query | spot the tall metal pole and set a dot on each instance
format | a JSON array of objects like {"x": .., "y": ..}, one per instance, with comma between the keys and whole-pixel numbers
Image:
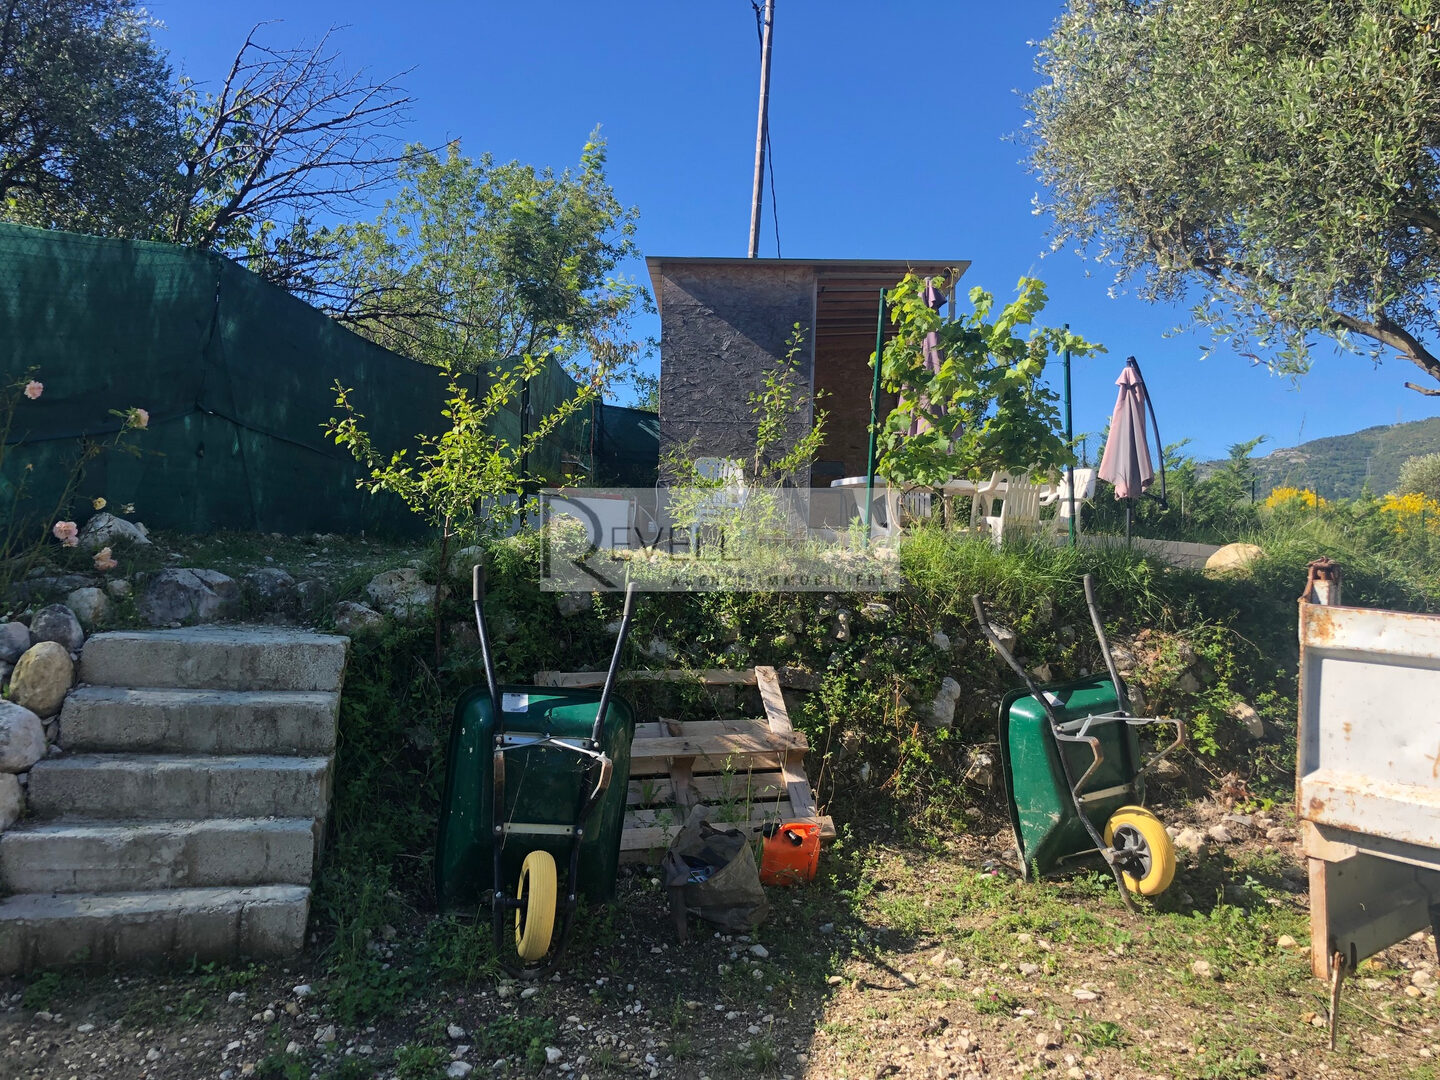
[
  {"x": 762, "y": 126},
  {"x": 874, "y": 417},
  {"x": 1069, "y": 441}
]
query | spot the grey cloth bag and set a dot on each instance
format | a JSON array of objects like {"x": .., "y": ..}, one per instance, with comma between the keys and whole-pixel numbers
[{"x": 710, "y": 871}]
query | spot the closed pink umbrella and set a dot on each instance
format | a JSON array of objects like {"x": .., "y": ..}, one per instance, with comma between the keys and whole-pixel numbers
[
  {"x": 934, "y": 299},
  {"x": 1127, "y": 463}
]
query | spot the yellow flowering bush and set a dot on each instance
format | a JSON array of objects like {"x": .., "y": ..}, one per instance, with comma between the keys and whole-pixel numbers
[
  {"x": 1411, "y": 514},
  {"x": 1294, "y": 498}
]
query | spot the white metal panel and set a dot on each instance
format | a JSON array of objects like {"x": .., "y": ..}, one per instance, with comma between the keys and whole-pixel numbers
[{"x": 1370, "y": 722}]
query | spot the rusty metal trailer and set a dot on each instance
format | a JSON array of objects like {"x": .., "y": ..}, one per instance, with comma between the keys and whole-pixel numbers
[{"x": 1368, "y": 774}]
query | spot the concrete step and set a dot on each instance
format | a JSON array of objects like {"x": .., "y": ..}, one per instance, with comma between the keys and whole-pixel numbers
[
  {"x": 45, "y": 930},
  {"x": 215, "y": 658},
  {"x": 160, "y": 786},
  {"x": 199, "y": 721},
  {"x": 96, "y": 857}
]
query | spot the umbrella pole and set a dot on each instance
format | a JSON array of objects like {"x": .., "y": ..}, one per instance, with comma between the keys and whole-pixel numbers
[
  {"x": 1069, "y": 442},
  {"x": 874, "y": 418},
  {"x": 1129, "y": 507}
]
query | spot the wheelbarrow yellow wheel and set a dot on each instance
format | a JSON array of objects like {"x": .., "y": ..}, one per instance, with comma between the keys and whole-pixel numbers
[
  {"x": 535, "y": 918},
  {"x": 1138, "y": 832}
]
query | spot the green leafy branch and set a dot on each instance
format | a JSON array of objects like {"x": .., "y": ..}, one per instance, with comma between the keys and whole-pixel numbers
[
  {"x": 466, "y": 469},
  {"x": 986, "y": 406}
]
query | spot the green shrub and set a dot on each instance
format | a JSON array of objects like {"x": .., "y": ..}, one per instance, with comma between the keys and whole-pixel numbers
[{"x": 1420, "y": 476}]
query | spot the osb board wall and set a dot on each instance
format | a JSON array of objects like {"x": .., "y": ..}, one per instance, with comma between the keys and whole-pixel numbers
[{"x": 721, "y": 327}]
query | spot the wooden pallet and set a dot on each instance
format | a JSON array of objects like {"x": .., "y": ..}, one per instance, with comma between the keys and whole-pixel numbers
[{"x": 750, "y": 771}]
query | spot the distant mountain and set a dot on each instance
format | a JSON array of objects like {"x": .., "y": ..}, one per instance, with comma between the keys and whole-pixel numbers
[{"x": 1344, "y": 465}]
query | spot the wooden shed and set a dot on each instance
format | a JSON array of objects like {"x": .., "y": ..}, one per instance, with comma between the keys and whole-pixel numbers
[{"x": 725, "y": 321}]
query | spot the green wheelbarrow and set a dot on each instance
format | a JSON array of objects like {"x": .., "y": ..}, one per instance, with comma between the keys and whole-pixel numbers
[
  {"x": 1075, "y": 776},
  {"x": 535, "y": 776}
]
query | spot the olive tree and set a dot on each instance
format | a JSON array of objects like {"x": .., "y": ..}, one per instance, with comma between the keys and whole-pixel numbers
[
  {"x": 87, "y": 134},
  {"x": 1274, "y": 162},
  {"x": 1420, "y": 475}
]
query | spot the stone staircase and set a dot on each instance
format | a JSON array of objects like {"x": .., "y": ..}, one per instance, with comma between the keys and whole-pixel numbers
[{"x": 185, "y": 816}]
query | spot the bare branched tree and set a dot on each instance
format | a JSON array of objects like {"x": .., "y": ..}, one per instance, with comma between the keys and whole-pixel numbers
[{"x": 289, "y": 134}]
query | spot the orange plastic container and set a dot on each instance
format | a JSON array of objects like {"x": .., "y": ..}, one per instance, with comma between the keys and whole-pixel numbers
[{"x": 790, "y": 854}]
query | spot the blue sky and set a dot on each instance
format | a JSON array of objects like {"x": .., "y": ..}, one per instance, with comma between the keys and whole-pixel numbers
[{"x": 889, "y": 123}]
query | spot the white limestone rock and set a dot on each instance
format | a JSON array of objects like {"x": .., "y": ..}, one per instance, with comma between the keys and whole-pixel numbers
[
  {"x": 185, "y": 594},
  {"x": 402, "y": 593},
  {"x": 942, "y": 709},
  {"x": 107, "y": 530},
  {"x": 90, "y": 606},
  {"x": 12, "y": 800},
  {"x": 22, "y": 738},
  {"x": 356, "y": 620},
  {"x": 272, "y": 587},
  {"x": 58, "y": 623},
  {"x": 14, "y": 640}
]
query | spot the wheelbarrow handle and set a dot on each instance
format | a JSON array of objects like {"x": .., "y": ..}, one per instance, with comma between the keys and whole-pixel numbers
[
  {"x": 487, "y": 656},
  {"x": 1121, "y": 693},
  {"x": 1160, "y": 755},
  {"x": 602, "y": 783},
  {"x": 598, "y": 730},
  {"x": 1006, "y": 655},
  {"x": 1099, "y": 754}
]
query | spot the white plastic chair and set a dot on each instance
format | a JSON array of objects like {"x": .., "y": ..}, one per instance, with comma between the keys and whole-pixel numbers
[
  {"x": 1060, "y": 498},
  {"x": 985, "y": 495},
  {"x": 902, "y": 505},
  {"x": 730, "y": 492},
  {"x": 1019, "y": 505}
]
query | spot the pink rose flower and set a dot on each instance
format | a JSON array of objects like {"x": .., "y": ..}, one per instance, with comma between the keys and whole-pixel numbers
[
  {"x": 66, "y": 532},
  {"x": 103, "y": 561},
  {"x": 34, "y": 388},
  {"x": 139, "y": 418}
]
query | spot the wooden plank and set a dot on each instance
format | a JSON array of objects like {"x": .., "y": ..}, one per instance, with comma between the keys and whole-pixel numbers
[
  {"x": 741, "y": 818},
  {"x": 774, "y": 701},
  {"x": 708, "y": 676},
  {"x": 682, "y": 786},
  {"x": 660, "y": 729},
  {"x": 680, "y": 774},
  {"x": 717, "y": 746},
  {"x": 719, "y": 787},
  {"x": 797, "y": 784},
  {"x": 645, "y": 764},
  {"x": 802, "y": 797},
  {"x": 722, "y": 765},
  {"x": 759, "y": 730}
]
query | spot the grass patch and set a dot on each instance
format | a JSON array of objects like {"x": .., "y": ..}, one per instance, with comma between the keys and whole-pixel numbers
[
  {"x": 516, "y": 1036},
  {"x": 414, "y": 1061}
]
